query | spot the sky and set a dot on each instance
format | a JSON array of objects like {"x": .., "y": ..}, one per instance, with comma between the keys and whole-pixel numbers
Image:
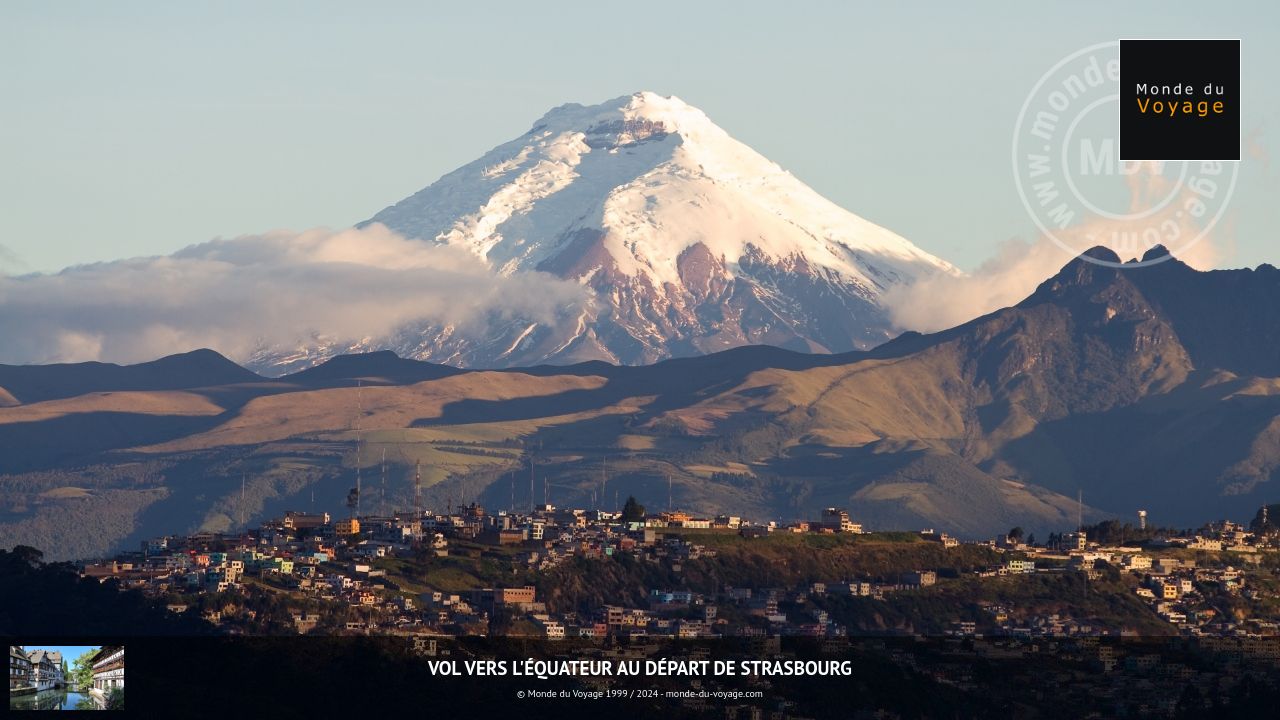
[
  {"x": 138, "y": 128},
  {"x": 69, "y": 652}
]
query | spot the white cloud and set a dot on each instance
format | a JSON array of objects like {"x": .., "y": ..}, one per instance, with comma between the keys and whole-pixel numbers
[
  {"x": 277, "y": 289},
  {"x": 944, "y": 301}
]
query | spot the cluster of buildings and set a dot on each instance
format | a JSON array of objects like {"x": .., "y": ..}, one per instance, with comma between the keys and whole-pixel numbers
[
  {"x": 1180, "y": 590},
  {"x": 321, "y": 561},
  {"x": 35, "y": 670},
  {"x": 315, "y": 556},
  {"x": 666, "y": 613},
  {"x": 1181, "y": 593},
  {"x": 337, "y": 561},
  {"x": 1222, "y": 536}
]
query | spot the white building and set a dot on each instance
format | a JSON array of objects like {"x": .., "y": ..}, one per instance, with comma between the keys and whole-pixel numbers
[
  {"x": 837, "y": 520},
  {"x": 46, "y": 669},
  {"x": 1018, "y": 567},
  {"x": 1202, "y": 543},
  {"x": 1136, "y": 562},
  {"x": 108, "y": 669}
]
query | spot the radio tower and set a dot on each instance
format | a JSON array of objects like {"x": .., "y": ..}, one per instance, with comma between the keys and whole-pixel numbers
[
  {"x": 1079, "y": 510},
  {"x": 382, "y": 501},
  {"x": 241, "y": 499},
  {"x": 417, "y": 486}
]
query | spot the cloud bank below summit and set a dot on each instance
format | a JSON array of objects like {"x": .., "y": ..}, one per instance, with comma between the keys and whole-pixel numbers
[
  {"x": 279, "y": 289},
  {"x": 940, "y": 302}
]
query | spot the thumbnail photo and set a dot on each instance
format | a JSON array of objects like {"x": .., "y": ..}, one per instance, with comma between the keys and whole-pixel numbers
[{"x": 66, "y": 677}]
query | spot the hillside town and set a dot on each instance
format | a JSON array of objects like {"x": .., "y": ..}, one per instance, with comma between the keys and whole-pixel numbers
[{"x": 367, "y": 575}]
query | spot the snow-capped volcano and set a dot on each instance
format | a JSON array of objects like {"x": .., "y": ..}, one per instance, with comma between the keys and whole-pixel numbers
[{"x": 687, "y": 240}]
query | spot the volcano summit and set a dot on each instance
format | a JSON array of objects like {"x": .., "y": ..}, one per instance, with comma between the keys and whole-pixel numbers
[{"x": 686, "y": 242}]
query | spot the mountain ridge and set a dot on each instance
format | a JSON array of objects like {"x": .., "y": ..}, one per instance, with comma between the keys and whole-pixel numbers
[{"x": 196, "y": 368}]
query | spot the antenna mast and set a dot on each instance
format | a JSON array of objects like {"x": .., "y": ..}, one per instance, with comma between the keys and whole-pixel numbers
[
  {"x": 242, "y": 474},
  {"x": 417, "y": 485},
  {"x": 1079, "y": 509},
  {"x": 382, "y": 501}
]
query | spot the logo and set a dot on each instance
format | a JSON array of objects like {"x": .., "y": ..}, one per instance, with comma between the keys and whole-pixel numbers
[
  {"x": 1180, "y": 99},
  {"x": 1080, "y": 194}
]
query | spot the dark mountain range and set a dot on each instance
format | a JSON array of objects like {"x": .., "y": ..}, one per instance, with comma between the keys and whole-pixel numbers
[
  {"x": 199, "y": 368},
  {"x": 1155, "y": 388},
  {"x": 381, "y": 367}
]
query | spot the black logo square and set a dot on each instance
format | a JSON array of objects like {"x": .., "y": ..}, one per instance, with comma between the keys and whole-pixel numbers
[{"x": 1179, "y": 99}]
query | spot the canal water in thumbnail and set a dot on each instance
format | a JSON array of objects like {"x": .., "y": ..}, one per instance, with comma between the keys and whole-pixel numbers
[{"x": 54, "y": 700}]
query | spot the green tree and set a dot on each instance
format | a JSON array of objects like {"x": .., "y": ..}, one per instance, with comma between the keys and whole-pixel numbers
[
  {"x": 115, "y": 699},
  {"x": 28, "y": 555},
  {"x": 632, "y": 511},
  {"x": 81, "y": 676}
]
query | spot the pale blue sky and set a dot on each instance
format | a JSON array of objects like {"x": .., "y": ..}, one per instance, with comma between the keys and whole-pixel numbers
[
  {"x": 132, "y": 128},
  {"x": 69, "y": 652}
]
